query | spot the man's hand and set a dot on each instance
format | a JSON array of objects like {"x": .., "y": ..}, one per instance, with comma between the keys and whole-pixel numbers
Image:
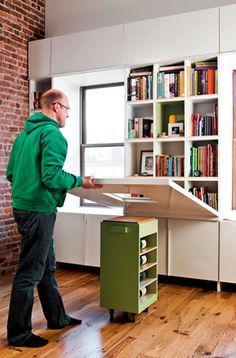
[{"x": 89, "y": 184}]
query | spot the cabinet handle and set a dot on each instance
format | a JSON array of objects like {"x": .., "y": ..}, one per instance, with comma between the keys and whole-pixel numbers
[{"x": 119, "y": 229}]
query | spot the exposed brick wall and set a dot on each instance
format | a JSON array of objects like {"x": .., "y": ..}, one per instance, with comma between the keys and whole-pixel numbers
[{"x": 21, "y": 21}]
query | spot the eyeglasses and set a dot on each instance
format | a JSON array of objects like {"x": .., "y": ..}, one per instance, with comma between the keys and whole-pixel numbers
[{"x": 62, "y": 105}]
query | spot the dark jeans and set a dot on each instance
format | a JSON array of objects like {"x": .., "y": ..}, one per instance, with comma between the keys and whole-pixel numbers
[{"x": 36, "y": 269}]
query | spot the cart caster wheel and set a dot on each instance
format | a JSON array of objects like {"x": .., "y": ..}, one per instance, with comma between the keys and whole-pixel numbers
[
  {"x": 146, "y": 309},
  {"x": 111, "y": 312},
  {"x": 130, "y": 317}
]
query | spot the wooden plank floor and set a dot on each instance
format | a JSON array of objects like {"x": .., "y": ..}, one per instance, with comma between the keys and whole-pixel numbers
[{"x": 186, "y": 321}]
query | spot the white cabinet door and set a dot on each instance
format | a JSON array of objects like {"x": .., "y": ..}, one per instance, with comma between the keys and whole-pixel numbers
[
  {"x": 40, "y": 58},
  {"x": 69, "y": 238},
  {"x": 93, "y": 229},
  {"x": 171, "y": 37},
  {"x": 228, "y": 251},
  {"x": 193, "y": 249},
  {"x": 162, "y": 246},
  {"x": 227, "y": 28},
  {"x": 88, "y": 50}
]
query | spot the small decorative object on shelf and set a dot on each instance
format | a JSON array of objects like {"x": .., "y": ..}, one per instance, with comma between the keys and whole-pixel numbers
[
  {"x": 175, "y": 129},
  {"x": 197, "y": 173},
  {"x": 146, "y": 163},
  {"x": 172, "y": 118},
  {"x": 163, "y": 135}
]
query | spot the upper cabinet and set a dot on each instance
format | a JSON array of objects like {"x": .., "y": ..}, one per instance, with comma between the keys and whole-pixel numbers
[
  {"x": 189, "y": 34},
  {"x": 40, "y": 58},
  {"x": 227, "y": 28},
  {"x": 88, "y": 50},
  {"x": 149, "y": 41}
]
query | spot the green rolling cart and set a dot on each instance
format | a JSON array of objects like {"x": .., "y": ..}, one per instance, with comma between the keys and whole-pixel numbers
[{"x": 128, "y": 278}]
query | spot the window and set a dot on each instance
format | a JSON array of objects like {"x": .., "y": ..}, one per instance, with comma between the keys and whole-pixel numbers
[{"x": 102, "y": 142}]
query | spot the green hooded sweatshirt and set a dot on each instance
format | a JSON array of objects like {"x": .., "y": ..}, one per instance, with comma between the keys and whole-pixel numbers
[{"x": 35, "y": 166}]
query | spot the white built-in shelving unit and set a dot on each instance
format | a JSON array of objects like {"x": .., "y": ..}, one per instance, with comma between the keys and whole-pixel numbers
[
  {"x": 196, "y": 247},
  {"x": 159, "y": 108}
]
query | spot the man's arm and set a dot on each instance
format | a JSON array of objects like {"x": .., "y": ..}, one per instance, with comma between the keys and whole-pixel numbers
[{"x": 54, "y": 150}]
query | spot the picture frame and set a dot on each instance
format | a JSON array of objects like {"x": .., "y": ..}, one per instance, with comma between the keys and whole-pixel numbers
[
  {"x": 146, "y": 163},
  {"x": 175, "y": 129}
]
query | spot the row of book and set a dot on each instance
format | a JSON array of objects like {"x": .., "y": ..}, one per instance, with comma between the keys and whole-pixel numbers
[
  {"x": 140, "y": 84},
  {"x": 203, "y": 160},
  {"x": 140, "y": 88},
  {"x": 170, "y": 84},
  {"x": 167, "y": 165},
  {"x": 202, "y": 81},
  {"x": 140, "y": 128},
  {"x": 204, "y": 125},
  {"x": 203, "y": 78},
  {"x": 37, "y": 99},
  {"x": 209, "y": 198}
]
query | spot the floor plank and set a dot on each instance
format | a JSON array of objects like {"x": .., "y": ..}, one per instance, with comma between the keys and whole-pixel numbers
[{"x": 186, "y": 322}]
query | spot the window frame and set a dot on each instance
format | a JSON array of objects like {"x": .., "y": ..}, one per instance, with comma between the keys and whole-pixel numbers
[{"x": 83, "y": 145}]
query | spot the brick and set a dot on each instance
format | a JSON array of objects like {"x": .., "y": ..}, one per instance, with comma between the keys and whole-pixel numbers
[{"x": 21, "y": 21}]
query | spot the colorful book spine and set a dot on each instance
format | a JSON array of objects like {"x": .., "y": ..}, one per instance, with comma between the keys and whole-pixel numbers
[{"x": 167, "y": 165}]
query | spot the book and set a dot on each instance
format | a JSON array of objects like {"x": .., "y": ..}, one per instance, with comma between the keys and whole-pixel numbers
[
  {"x": 148, "y": 70},
  {"x": 166, "y": 85},
  {"x": 211, "y": 81},
  {"x": 133, "y": 89},
  {"x": 136, "y": 127},
  {"x": 147, "y": 123},
  {"x": 171, "y": 68},
  {"x": 138, "y": 74},
  {"x": 160, "y": 85},
  {"x": 181, "y": 84}
]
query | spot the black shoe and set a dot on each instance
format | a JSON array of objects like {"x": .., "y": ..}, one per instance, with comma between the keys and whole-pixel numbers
[
  {"x": 32, "y": 342},
  {"x": 72, "y": 322}
]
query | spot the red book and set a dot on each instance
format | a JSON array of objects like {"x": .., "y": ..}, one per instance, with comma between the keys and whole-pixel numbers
[{"x": 211, "y": 81}]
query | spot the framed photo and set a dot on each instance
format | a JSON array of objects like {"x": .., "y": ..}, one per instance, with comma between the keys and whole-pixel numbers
[
  {"x": 146, "y": 163},
  {"x": 175, "y": 129}
]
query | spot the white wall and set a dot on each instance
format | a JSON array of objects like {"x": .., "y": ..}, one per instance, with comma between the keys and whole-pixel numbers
[{"x": 65, "y": 17}]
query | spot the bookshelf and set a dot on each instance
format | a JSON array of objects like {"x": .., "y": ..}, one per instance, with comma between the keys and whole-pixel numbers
[
  {"x": 183, "y": 112},
  {"x": 37, "y": 88}
]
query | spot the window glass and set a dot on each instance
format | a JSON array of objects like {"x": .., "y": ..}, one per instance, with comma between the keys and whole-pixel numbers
[
  {"x": 104, "y": 113},
  {"x": 104, "y": 162},
  {"x": 102, "y": 147}
]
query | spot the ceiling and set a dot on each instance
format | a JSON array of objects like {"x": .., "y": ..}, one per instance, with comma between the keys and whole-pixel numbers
[{"x": 64, "y": 17}]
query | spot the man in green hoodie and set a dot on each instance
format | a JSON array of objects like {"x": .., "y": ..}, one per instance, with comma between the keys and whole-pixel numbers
[{"x": 39, "y": 186}]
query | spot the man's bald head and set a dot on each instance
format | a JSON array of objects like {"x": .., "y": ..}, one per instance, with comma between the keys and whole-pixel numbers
[{"x": 51, "y": 96}]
